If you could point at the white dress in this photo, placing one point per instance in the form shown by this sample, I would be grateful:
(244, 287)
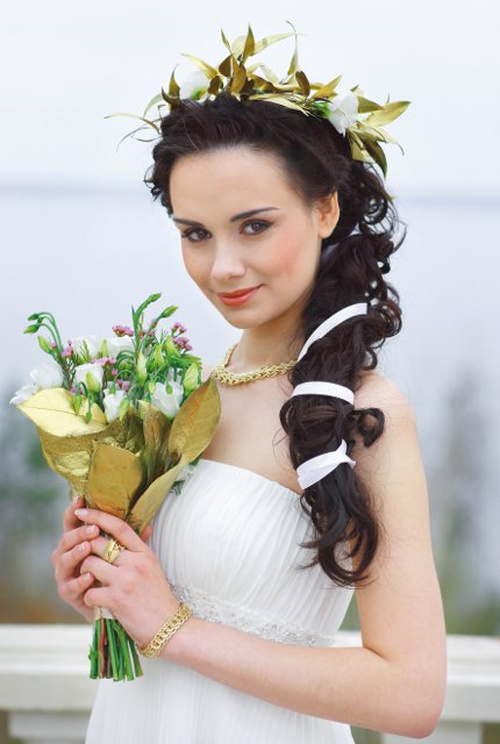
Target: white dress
(229, 545)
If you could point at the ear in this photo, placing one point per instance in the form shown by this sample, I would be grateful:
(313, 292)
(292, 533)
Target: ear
(328, 214)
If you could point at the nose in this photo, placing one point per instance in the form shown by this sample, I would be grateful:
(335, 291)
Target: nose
(227, 263)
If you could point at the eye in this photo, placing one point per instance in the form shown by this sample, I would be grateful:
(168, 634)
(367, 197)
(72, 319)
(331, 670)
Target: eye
(257, 226)
(189, 235)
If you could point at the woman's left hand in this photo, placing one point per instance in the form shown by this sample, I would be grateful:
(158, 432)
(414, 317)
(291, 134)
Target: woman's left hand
(134, 587)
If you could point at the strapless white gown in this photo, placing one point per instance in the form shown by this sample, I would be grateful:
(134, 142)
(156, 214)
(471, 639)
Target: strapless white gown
(229, 545)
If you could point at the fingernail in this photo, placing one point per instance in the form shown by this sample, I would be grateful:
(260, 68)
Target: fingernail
(81, 512)
(90, 529)
(76, 499)
(82, 547)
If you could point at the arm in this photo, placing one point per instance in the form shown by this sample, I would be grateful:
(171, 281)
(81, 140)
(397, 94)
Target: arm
(396, 681)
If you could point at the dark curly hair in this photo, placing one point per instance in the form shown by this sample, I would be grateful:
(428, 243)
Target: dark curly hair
(318, 162)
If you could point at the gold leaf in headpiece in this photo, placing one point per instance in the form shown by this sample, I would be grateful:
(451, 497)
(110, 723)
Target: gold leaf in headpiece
(203, 66)
(293, 91)
(387, 113)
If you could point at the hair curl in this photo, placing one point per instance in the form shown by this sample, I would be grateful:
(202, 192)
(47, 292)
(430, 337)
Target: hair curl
(355, 257)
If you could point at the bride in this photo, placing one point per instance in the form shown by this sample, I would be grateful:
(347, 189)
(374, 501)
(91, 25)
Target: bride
(289, 235)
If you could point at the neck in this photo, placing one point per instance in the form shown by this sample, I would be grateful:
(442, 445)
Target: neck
(265, 345)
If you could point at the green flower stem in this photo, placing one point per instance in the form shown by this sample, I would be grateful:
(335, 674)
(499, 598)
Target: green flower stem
(112, 648)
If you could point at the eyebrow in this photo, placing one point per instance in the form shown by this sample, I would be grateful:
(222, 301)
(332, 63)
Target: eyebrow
(236, 217)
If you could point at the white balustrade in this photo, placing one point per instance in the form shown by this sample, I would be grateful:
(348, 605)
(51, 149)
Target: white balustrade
(46, 691)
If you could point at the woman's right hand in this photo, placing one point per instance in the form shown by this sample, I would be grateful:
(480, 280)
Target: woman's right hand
(73, 548)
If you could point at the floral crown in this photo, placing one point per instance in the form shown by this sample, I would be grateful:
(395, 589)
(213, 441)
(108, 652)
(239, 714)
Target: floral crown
(258, 82)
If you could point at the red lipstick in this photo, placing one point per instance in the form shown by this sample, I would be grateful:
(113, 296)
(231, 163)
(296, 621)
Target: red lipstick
(238, 297)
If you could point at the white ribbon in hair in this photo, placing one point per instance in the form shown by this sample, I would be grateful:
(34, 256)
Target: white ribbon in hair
(324, 388)
(360, 308)
(313, 470)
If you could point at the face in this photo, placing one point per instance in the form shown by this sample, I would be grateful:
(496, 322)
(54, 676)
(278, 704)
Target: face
(246, 232)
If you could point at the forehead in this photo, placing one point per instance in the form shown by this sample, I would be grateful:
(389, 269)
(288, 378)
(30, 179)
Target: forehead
(228, 180)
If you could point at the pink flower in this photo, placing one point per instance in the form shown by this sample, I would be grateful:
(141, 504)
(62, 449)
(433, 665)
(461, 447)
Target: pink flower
(67, 352)
(122, 330)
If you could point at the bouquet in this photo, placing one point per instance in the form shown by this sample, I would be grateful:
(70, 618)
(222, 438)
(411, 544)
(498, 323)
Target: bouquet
(123, 420)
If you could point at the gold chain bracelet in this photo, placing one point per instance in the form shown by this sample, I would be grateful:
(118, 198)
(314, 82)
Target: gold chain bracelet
(166, 632)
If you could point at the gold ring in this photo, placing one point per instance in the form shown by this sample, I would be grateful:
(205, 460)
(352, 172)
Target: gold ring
(112, 550)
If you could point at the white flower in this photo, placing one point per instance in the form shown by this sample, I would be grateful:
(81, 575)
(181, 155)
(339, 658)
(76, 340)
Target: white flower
(343, 112)
(194, 86)
(116, 344)
(47, 375)
(112, 404)
(167, 403)
(92, 342)
(23, 394)
(91, 375)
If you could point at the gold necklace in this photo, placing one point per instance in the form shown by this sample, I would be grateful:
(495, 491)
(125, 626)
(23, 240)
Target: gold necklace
(226, 377)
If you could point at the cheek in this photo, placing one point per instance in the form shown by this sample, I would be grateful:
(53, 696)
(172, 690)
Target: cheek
(292, 254)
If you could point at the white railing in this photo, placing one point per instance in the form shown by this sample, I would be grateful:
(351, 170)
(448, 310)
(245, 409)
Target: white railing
(46, 692)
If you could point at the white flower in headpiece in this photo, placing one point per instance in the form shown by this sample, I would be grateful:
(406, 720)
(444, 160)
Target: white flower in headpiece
(194, 86)
(343, 112)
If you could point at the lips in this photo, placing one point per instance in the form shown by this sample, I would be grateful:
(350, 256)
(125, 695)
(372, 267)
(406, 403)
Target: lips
(238, 296)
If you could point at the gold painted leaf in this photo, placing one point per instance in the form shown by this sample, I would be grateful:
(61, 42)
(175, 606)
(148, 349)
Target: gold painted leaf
(303, 82)
(249, 47)
(158, 98)
(71, 456)
(365, 105)
(238, 80)
(173, 86)
(52, 411)
(387, 113)
(225, 66)
(279, 99)
(225, 41)
(115, 476)
(326, 91)
(156, 430)
(211, 71)
(153, 497)
(377, 154)
(194, 425)
(268, 40)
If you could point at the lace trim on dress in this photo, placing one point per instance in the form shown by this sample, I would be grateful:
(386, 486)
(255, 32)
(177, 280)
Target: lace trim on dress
(208, 607)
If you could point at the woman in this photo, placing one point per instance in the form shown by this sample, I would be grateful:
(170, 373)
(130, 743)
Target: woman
(312, 485)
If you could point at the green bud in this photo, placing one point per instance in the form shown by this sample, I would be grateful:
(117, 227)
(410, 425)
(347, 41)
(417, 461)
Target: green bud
(123, 408)
(32, 328)
(142, 372)
(170, 347)
(93, 384)
(158, 355)
(103, 349)
(44, 344)
(191, 379)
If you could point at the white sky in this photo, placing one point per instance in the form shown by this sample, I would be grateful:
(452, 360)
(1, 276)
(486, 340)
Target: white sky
(65, 65)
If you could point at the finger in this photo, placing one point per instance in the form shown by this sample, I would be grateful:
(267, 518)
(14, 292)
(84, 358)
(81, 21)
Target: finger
(113, 526)
(70, 521)
(102, 570)
(146, 533)
(66, 563)
(98, 546)
(99, 597)
(74, 588)
(71, 539)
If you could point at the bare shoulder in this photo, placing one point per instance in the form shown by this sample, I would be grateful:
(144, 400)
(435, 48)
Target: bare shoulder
(378, 391)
